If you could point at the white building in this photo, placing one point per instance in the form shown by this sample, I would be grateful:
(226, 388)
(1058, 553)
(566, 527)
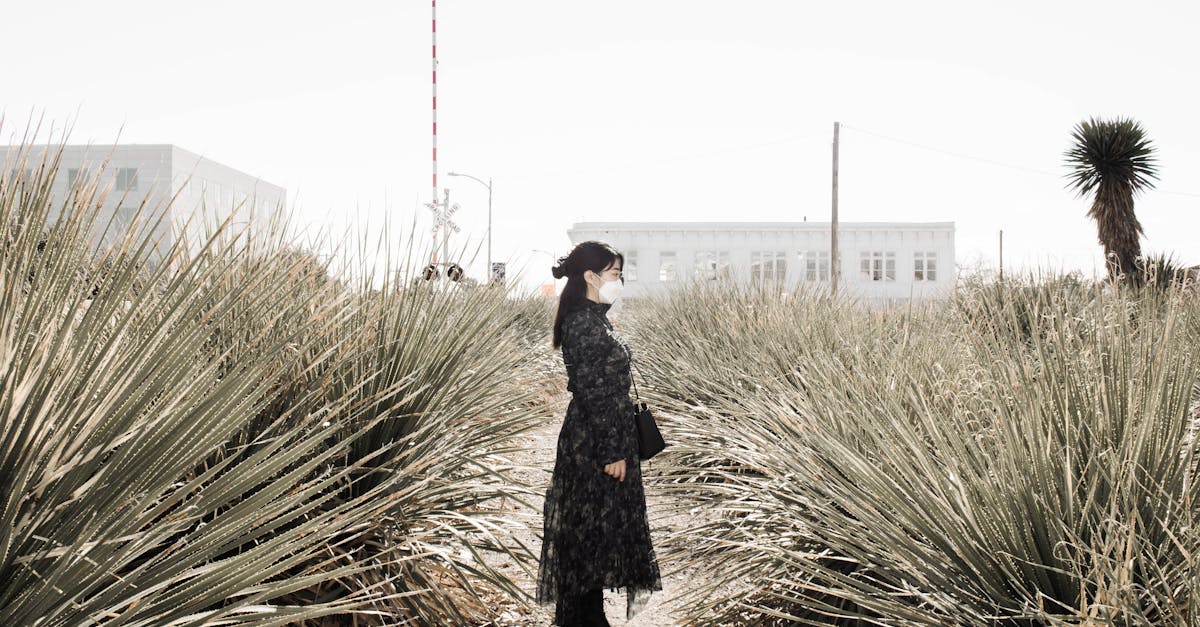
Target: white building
(205, 192)
(879, 261)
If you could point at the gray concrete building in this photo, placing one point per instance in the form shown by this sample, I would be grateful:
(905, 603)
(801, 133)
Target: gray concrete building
(205, 192)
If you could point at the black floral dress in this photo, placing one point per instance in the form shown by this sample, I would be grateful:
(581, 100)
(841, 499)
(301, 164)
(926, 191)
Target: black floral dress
(596, 531)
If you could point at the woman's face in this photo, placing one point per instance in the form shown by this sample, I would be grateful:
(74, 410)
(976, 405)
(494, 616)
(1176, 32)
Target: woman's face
(612, 273)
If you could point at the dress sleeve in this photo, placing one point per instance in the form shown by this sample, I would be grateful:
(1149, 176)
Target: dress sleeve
(596, 382)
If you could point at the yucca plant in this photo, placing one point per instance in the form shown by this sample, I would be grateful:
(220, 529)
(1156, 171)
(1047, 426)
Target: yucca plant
(182, 434)
(465, 350)
(1114, 161)
(1022, 306)
(111, 407)
(933, 471)
(1163, 272)
(720, 345)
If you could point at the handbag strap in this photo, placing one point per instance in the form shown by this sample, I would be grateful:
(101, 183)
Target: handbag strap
(632, 379)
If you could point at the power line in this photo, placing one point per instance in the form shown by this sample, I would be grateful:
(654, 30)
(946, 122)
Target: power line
(949, 152)
(1163, 191)
(683, 157)
(984, 159)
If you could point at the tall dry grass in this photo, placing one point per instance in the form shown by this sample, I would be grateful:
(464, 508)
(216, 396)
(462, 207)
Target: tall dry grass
(232, 434)
(1023, 454)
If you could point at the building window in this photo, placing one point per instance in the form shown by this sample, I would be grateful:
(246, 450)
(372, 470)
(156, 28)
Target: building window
(123, 219)
(666, 267)
(768, 266)
(126, 179)
(877, 266)
(712, 265)
(815, 264)
(925, 266)
(630, 267)
(75, 174)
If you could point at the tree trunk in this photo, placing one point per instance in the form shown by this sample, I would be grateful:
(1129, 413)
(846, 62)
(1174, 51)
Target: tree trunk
(1119, 232)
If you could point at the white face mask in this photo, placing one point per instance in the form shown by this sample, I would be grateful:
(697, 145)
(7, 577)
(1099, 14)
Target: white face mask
(610, 290)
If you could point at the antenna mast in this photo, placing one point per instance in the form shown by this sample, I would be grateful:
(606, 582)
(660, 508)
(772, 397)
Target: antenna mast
(433, 204)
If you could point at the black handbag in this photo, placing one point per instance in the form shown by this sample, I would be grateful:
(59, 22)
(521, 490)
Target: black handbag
(650, 440)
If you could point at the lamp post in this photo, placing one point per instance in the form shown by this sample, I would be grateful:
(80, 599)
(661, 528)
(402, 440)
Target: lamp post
(553, 259)
(488, 185)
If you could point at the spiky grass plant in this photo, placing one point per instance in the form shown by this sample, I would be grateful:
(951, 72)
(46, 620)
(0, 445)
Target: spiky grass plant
(1163, 272)
(111, 408)
(465, 351)
(182, 439)
(922, 469)
(1022, 307)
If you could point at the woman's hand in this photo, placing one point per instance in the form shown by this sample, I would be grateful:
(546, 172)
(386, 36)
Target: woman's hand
(616, 470)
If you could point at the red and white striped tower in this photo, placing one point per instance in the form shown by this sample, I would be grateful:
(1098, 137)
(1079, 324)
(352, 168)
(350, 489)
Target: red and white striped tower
(434, 198)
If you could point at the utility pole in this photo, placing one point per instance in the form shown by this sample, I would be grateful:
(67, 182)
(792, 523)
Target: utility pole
(834, 269)
(488, 280)
(1001, 254)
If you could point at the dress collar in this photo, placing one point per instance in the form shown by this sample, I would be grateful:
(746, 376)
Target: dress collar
(592, 305)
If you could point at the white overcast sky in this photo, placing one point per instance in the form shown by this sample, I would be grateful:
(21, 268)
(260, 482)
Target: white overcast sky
(638, 110)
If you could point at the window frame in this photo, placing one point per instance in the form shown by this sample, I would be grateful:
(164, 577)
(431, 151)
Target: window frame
(74, 175)
(125, 181)
(814, 266)
(717, 263)
(630, 268)
(764, 262)
(662, 267)
(877, 266)
(925, 266)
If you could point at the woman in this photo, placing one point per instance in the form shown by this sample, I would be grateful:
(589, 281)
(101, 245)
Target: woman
(596, 532)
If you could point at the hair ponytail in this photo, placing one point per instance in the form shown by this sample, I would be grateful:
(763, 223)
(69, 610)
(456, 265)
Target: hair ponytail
(560, 270)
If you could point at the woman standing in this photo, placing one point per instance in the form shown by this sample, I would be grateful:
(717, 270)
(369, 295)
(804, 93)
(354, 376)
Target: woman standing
(596, 532)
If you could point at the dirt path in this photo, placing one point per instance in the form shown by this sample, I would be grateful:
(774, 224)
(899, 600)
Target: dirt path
(539, 457)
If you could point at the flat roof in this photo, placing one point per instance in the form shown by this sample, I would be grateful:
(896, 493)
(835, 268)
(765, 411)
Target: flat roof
(104, 150)
(756, 226)
(96, 146)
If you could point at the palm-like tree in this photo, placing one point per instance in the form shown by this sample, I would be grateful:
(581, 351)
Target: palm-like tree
(1114, 159)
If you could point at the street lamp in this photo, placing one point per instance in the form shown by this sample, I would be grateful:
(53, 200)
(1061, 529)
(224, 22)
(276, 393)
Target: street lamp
(488, 185)
(554, 259)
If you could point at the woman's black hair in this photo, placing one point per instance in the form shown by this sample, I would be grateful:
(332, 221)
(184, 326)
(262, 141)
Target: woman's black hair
(591, 255)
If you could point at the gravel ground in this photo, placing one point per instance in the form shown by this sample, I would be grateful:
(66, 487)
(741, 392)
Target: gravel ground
(539, 461)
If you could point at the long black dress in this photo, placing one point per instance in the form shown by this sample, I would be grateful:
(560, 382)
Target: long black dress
(596, 531)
